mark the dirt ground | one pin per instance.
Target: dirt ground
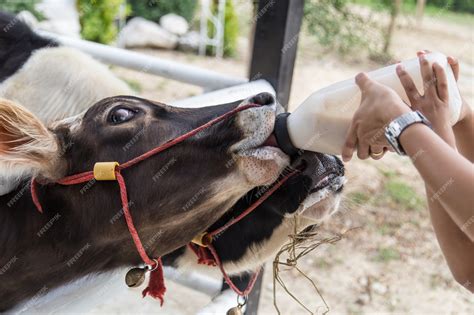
(391, 263)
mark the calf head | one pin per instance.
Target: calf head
(173, 195)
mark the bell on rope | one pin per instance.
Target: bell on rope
(135, 277)
(237, 310)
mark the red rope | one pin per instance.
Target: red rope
(257, 203)
(128, 218)
(185, 136)
(203, 256)
(227, 278)
(156, 287)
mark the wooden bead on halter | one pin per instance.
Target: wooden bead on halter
(203, 239)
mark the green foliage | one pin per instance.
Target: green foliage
(16, 6)
(466, 6)
(153, 10)
(454, 5)
(97, 19)
(337, 28)
(231, 29)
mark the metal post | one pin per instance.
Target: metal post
(277, 28)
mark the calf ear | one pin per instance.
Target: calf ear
(27, 147)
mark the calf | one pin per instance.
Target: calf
(311, 195)
(28, 148)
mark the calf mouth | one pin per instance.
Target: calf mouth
(261, 163)
(326, 174)
(262, 160)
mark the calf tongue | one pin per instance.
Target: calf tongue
(271, 141)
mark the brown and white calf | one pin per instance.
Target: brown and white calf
(312, 195)
(190, 196)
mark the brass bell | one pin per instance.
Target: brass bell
(235, 310)
(135, 277)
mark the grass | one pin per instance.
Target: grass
(388, 228)
(327, 263)
(403, 195)
(386, 254)
(358, 198)
(388, 173)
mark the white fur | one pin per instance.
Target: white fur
(260, 164)
(60, 82)
(258, 254)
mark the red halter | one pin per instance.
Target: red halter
(156, 287)
(204, 240)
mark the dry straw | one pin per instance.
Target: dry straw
(300, 244)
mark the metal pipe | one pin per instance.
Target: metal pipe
(226, 95)
(194, 280)
(133, 60)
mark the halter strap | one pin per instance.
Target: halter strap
(112, 171)
(204, 240)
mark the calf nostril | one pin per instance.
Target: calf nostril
(264, 98)
(301, 165)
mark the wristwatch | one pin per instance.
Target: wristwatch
(394, 129)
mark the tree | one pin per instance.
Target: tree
(394, 12)
(420, 10)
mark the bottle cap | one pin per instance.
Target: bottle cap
(282, 136)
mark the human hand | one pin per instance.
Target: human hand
(379, 106)
(434, 103)
(466, 110)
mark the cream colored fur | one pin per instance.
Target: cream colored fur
(60, 82)
(27, 147)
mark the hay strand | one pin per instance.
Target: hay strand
(299, 245)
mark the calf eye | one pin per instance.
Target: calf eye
(121, 115)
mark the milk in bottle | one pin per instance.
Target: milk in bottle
(321, 122)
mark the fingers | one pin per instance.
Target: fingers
(428, 77)
(422, 52)
(363, 81)
(408, 85)
(363, 150)
(454, 63)
(441, 82)
(350, 144)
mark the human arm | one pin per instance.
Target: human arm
(437, 163)
(379, 106)
(451, 206)
(457, 247)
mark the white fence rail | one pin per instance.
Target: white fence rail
(210, 80)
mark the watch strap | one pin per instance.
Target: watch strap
(394, 130)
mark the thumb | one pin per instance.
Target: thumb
(350, 143)
(363, 81)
